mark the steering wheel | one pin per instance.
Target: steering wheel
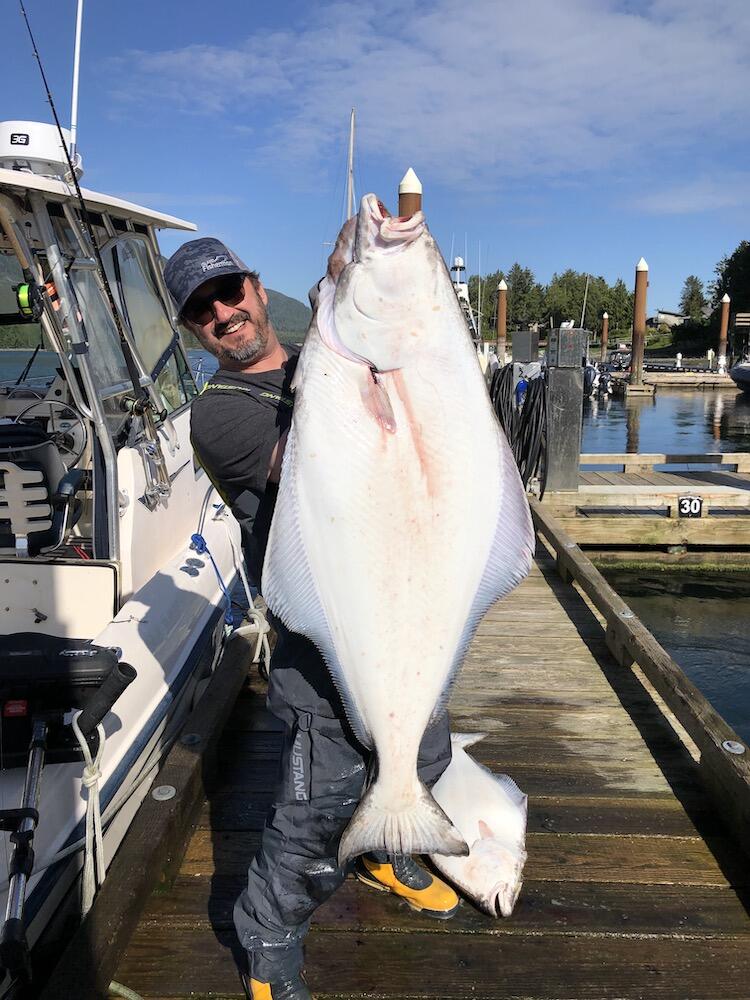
(18, 390)
(70, 441)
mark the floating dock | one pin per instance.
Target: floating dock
(633, 507)
(636, 884)
(678, 378)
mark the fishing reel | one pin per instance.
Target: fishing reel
(30, 300)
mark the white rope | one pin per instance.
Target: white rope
(120, 799)
(258, 624)
(94, 868)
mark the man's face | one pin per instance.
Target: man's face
(228, 316)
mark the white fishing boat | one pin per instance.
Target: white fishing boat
(116, 554)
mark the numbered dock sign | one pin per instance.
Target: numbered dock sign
(690, 506)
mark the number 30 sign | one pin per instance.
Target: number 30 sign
(690, 506)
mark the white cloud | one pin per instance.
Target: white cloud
(479, 93)
(704, 194)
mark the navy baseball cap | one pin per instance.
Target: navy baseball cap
(196, 262)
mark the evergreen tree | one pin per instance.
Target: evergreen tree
(733, 278)
(564, 297)
(525, 298)
(693, 301)
(620, 307)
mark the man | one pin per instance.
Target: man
(239, 426)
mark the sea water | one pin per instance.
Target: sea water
(703, 621)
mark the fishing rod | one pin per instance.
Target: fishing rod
(143, 401)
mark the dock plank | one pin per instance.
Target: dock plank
(545, 906)
(640, 860)
(576, 966)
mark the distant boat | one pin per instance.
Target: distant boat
(740, 375)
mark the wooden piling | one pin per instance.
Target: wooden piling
(633, 429)
(409, 195)
(723, 329)
(605, 335)
(502, 321)
(639, 323)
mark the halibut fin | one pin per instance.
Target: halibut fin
(423, 828)
(464, 740)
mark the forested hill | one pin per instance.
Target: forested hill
(290, 317)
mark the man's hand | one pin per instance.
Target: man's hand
(274, 467)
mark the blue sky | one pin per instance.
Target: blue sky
(580, 134)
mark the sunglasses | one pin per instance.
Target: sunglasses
(229, 290)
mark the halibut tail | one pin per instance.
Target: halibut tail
(420, 828)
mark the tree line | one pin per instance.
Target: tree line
(529, 301)
(732, 278)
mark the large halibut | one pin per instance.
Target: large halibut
(400, 516)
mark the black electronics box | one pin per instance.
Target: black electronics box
(525, 346)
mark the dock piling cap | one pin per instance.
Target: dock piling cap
(410, 183)
(641, 265)
(502, 286)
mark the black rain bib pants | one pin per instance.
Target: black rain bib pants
(322, 774)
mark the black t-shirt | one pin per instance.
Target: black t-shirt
(235, 425)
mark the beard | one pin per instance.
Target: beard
(253, 347)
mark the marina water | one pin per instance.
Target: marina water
(702, 620)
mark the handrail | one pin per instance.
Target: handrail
(724, 758)
(740, 460)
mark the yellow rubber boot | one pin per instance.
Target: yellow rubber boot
(293, 989)
(402, 876)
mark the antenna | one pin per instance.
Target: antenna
(74, 98)
(479, 290)
(141, 394)
(585, 297)
(350, 170)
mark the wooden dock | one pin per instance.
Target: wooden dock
(677, 378)
(636, 885)
(633, 504)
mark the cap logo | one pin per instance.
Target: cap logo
(221, 261)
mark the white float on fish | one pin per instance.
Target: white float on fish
(400, 516)
(490, 811)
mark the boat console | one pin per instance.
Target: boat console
(40, 494)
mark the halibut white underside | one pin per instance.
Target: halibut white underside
(400, 519)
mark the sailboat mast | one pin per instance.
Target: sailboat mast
(350, 171)
(74, 98)
(585, 299)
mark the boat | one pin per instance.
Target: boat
(740, 375)
(460, 284)
(117, 556)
